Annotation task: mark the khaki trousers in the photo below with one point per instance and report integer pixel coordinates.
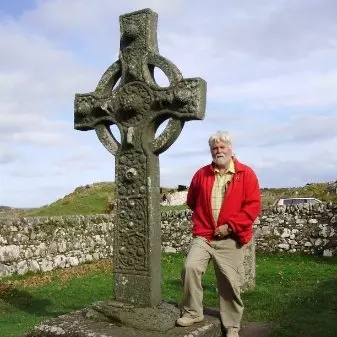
(227, 257)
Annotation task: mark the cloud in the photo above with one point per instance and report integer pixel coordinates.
(308, 89)
(85, 158)
(8, 157)
(299, 129)
(267, 55)
(23, 128)
(58, 18)
(295, 173)
(38, 80)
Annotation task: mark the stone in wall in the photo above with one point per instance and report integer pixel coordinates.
(9, 253)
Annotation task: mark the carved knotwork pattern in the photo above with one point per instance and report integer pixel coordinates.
(132, 234)
(131, 176)
(183, 97)
(89, 111)
(186, 92)
(132, 255)
(132, 103)
(132, 207)
(134, 100)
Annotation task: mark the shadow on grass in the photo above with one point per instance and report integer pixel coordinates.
(311, 314)
(175, 283)
(24, 301)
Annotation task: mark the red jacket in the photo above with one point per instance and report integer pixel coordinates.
(240, 207)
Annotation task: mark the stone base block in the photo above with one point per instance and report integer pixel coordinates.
(114, 319)
(90, 322)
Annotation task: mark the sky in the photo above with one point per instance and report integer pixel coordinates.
(270, 68)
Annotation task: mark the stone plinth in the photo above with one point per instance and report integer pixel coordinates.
(113, 319)
(127, 321)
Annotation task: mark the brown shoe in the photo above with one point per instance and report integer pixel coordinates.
(187, 320)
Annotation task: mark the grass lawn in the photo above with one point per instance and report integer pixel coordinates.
(297, 293)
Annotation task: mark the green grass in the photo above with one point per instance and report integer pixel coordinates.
(27, 300)
(296, 293)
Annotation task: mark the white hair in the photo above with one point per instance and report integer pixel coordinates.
(220, 136)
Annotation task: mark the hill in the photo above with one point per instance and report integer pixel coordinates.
(99, 198)
(5, 208)
(88, 199)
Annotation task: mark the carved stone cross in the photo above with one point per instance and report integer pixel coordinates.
(137, 105)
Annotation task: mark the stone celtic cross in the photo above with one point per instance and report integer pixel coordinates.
(137, 105)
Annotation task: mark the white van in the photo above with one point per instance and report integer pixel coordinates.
(295, 201)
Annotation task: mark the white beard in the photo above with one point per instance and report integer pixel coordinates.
(221, 160)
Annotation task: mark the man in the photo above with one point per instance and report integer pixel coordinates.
(225, 199)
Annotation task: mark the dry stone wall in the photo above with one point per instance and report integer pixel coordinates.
(44, 244)
(47, 243)
(305, 228)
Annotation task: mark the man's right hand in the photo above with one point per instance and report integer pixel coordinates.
(222, 231)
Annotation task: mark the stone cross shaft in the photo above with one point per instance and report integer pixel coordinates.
(138, 105)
